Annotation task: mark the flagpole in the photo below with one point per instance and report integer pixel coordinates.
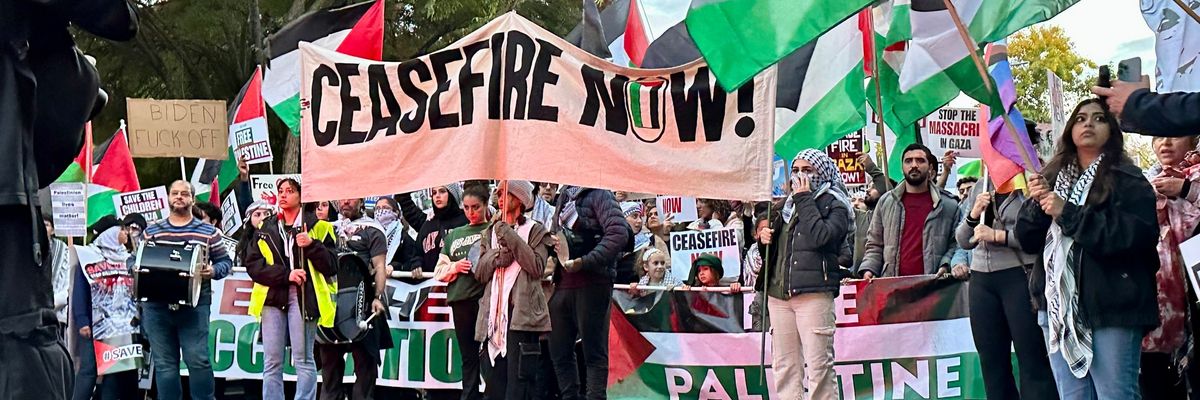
(887, 181)
(766, 274)
(182, 170)
(87, 173)
(1188, 10)
(972, 48)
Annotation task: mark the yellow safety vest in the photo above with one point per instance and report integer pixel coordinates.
(325, 290)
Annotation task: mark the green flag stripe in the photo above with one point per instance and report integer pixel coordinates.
(289, 112)
(839, 112)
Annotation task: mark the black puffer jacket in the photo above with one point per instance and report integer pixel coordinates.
(812, 243)
(1115, 243)
(600, 221)
(431, 231)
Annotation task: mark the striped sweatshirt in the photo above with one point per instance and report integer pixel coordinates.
(196, 232)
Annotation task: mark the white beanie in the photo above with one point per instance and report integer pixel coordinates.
(523, 191)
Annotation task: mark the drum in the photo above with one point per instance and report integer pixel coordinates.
(353, 299)
(168, 272)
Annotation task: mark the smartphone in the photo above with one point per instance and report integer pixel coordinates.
(1105, 79)
(1130, 70)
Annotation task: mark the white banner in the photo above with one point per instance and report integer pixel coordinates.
(151, 203)
(264, 187)
(69, 207)
(689, 245)
(953, 129)
(231, 214)
(681, 209)
(514, 101)
(250, 141)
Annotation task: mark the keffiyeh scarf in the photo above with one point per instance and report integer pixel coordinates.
(1069, 336)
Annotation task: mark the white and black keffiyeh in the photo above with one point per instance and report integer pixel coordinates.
(828, 180)
(1069, 336)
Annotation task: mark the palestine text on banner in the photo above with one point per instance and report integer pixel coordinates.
(178, 128)
(482, 107)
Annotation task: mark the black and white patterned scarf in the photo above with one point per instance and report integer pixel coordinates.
(1069, 336)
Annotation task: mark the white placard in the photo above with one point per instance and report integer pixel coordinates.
(69, 207)
(1190, 250)
(682, 209)
(151, 203)
(231, 214)
(250, 141)
(723, 243)
(262, 187)
(953, 129)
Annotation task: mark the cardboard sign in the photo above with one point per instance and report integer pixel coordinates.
(953, 129)
(231, 215)
(178, 128)
(264, 187)
(845, 153)
(250, 141)
(69, 207)
(725, 243)
(151, 203)
(682, 209)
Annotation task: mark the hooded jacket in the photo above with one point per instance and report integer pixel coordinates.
(811, 242)
(601, 223)
(267, 264)
(882, 253)
(431, 229)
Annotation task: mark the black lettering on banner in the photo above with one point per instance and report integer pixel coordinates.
(745, 104)
(468, 80)
(438, 120)
(542, 77)
(494, 84)
(516, 73)
(381, 89)
(616, 118)
(350, 104)
(322, 136)
(412, 121)
(700, 98)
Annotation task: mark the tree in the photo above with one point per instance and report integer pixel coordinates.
(1040, 48)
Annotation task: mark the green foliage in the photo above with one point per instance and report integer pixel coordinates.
(207, 49)
(1040, 48)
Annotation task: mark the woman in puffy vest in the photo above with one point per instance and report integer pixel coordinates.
(290, 264)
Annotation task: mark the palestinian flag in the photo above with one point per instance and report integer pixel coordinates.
(938, 56)
(355, 30)
(637, 37)
(813, 106)
(892, 31)
(246, 114)
(739, 38)
(111, 169)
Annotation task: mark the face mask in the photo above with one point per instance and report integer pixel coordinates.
(385, 217)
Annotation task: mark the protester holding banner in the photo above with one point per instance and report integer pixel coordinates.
(171, 328)
(514, 250)
(801, 251)
(290, 259)
(103, 307)
(363, 237)
(1175, 182)
(431, 229)
(1093, 214)
(658, 228)
(462, 290)
(596, 233)
(656, 271)
(1001, 318)
(714, 214)
(943, 175)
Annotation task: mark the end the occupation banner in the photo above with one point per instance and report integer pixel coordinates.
(513, 101)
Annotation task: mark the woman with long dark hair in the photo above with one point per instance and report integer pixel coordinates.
(1092, 214)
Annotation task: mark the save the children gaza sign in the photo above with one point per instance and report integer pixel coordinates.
(514, 101)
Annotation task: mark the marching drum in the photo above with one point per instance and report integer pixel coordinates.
(169, 272)
(352, 318)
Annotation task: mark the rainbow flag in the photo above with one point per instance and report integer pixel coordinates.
(1001, 152)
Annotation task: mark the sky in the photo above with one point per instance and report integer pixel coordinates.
(1108, 31)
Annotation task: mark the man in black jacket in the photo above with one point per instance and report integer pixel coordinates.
(47, 91)
(580, 304)
(1154, 114)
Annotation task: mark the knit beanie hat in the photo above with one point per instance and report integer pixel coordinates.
(523, 191)
(630, 207)
(456, 192)
(711, 261)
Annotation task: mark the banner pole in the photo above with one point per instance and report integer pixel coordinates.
(182, 170)
(972, 48)
(1188, 10)
(766, 274)
(887, 181)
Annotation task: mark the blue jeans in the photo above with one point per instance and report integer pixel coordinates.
(278, 326)
(1116, 357)
(171, 331)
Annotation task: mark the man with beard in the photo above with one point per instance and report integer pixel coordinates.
(364, 237)
(912, 231)
(862, 216)
(172, 327)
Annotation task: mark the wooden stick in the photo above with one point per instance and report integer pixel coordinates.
(887, 181)
(987, 81)
(1188, 10)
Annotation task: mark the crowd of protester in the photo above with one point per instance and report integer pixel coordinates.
(1079, 274)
